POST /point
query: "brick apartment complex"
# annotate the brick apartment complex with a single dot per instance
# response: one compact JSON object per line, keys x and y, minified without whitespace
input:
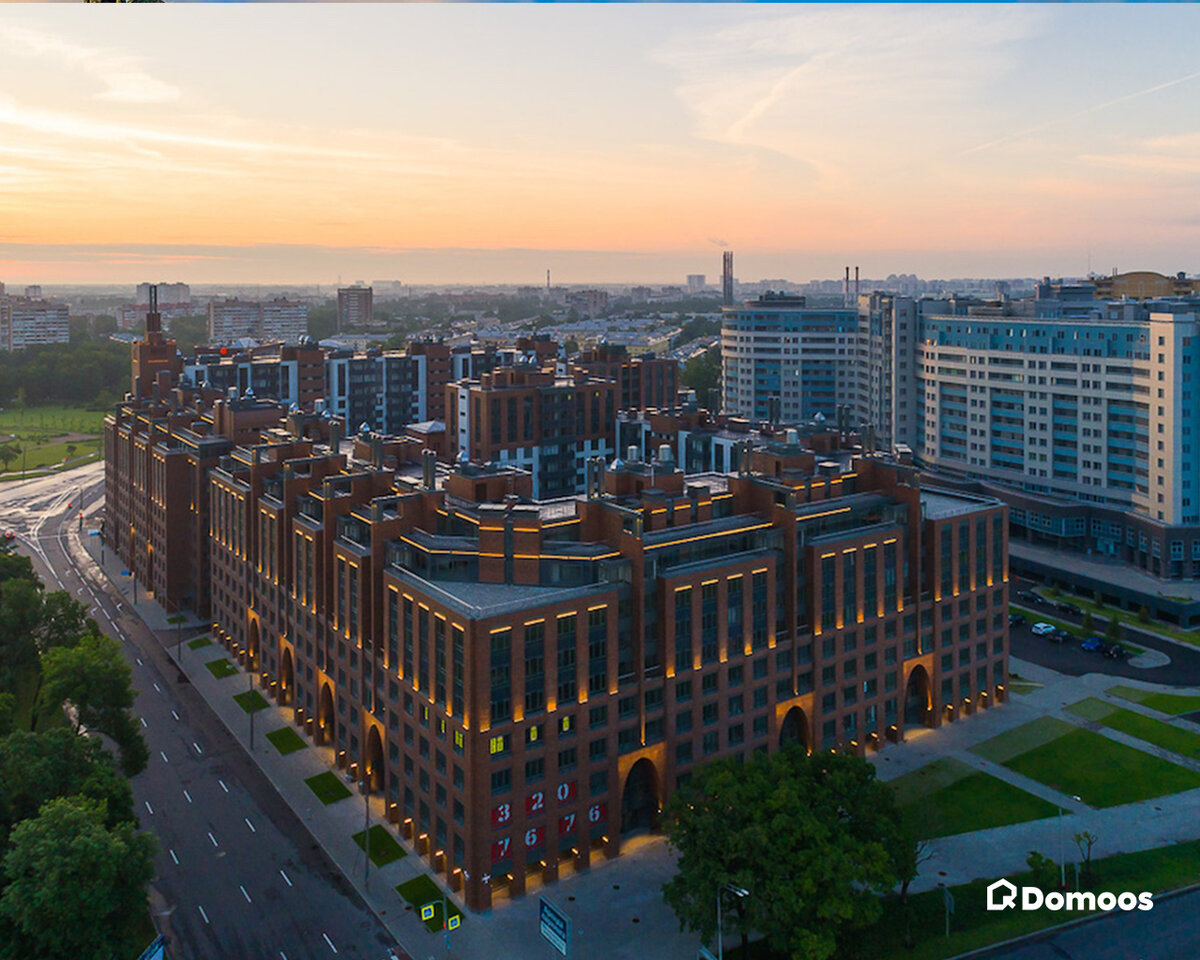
{"x":643,"y":381}
{"x":526,"y":681}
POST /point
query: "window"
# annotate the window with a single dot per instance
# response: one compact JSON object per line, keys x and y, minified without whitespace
{"x":535,"y":770}
{"x":598,"y":782}
{"x":597,"y":717}
{"x":683,"y":691}
{"x":497,"y":745}
{"x":501,"y":781}
{"x":598,"y":749}
{"x":567,"y":759}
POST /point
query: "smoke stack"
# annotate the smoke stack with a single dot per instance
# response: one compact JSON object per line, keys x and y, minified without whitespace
{"x":428,"y":469}
{"x":856,"y":285}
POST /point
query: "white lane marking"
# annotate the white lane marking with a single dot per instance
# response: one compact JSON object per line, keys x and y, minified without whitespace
{"x":330,"y":942}
{"x":143,"y":719}
{"x":202,"y":913}
{"x":164,"y":756}
{"x":197,"y":746}
{"x":119,"y":607}
{"x":139,"y":661}
{"x":148,"y":807}
{"x":174,"y":714}
{"x":173,"y":857}
{"x":249,"y":824}
{"x":158,"y":688}
{"x":223,"y":787}
{"x":245,"y":894}
{"x":285,"y":878}
{"x":187,"y":796}
{"x":213,"y":839}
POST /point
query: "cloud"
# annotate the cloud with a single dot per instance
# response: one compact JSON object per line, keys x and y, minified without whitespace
{"x":122,"y":76}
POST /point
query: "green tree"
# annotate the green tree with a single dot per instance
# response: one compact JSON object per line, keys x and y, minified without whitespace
{"x":1114,"y":630}
{"x":37,"y":767}
{"x":814,"y":839}
{"x":75,"y":886}
{"x":94,"y":678}
{"x":8,"y":707}
{"x":8,"y":453}
{"x":1089,"y":623}
{"x":1143,"y":614}
{"x":1085,"y":841}
{"x":702,"y":374}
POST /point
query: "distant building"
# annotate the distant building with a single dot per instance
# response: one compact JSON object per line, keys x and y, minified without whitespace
{"x":727,"y":278}
{"x":168,"y":294}
{"x":278,"y":319}
{"x":174,"y":302}
{"x":33,"y":292}
{"x":356,"y":307}
{"x":26,"y":322}
{"x":589,"y":303}
{"x":1145,"y":285}
{"x":696,"y":282}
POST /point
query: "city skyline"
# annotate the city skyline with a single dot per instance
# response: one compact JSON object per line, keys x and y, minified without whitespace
{"x":488,"y":144}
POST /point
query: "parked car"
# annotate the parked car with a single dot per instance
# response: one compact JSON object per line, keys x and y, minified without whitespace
{"x":1114,"y":651}
{"x":1015,"y":619}
{"x":1028,"y":596}
{"x":1058,"y":636}
{"x":1043,"y":629}
{"x":1066,"y":608}
{"x":1093,"y":644}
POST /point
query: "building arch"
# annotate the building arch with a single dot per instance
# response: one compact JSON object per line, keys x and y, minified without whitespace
{"x":287,"y":678}
{"x":640,"y":798}
{"x":918,"y":698}
{"x":794,"y":729}
{"x":374,"y":760}
{"x":326,"y":718}
{"x":253,"y":645}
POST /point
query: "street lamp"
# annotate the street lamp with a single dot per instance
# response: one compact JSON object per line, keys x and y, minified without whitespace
{"x":1062,"y":848}
{"x":739,"y":892}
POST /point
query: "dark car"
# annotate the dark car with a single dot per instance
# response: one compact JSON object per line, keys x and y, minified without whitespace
{"x":1028,"y":596}
{"x":1015,"y":620}
{"x":1093,"y":644}
{"x":1114,"y":651}
{"x":1066,"y":608}
{"x":1058,"y":636}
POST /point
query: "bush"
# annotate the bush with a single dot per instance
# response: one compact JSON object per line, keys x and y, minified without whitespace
{"x":1089,"y":623}
{"x":1143,"y":614}
{"x":1113,"y":631}
{"x":1045,"y":871}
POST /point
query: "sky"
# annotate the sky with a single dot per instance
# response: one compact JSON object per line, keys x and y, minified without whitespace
{"x":608,"y":143}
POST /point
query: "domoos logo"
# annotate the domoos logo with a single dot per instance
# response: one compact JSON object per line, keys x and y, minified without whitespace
{"x":1005,"y":895}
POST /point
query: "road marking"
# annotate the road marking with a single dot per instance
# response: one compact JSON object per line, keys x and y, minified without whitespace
{"x":158,"y":688}
{"x":223,"y":787}
{"x":119,"y":607}
{"x":249,"y":824}
{"x":202,"y":913}
{"x":174,"y":714}
{"x":139,"y":661}
{"x":282,"y":955}
{"x":213,"y":839}
{"x":173,"y":857}
{"x":245,"y":894}
{"x":197,"y":746}
{"x":330,"y":942}
{"x":187,"y":796}
{"x":143,"y":719}
{"x":285,"y":878}
{"x":164,"y":756}
{"x":148,"y":807}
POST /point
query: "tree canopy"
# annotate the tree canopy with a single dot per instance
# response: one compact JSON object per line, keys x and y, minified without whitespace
{"x":814,"y":839}
{"x":73,"y":884}
{"x":702,"y":373}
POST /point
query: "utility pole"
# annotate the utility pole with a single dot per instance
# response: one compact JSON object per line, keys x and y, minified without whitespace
{"x":250,"y":700}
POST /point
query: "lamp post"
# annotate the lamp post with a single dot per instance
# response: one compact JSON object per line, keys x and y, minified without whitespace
{"x":740,"y":893}
{"x":1062,"y":848}
{"x":250,"y":702}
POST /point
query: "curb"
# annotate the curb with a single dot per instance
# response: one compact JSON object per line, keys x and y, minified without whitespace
{"x":1047,"y":933}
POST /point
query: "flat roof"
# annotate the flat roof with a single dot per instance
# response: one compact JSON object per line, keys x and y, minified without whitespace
{"x":938,"y":504}
{"x":481,"y":601}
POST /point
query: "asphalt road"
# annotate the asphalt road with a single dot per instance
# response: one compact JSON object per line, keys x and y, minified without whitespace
{"x":1168,"y":932}
{"x":237,"y":874}
{"x":1068,"y":658}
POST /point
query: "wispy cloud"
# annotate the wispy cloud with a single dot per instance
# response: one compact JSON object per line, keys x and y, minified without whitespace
{"x":122,"y":77}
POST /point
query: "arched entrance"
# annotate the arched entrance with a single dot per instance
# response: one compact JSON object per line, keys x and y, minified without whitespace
{"x":252,"y":646}
{"x":918,"y":705}
{"x":374,"y":760}
{"x":794,"y":729}
{"x":287,"y":679}
{"x":639,"y":799}
{"x":325,"y":717}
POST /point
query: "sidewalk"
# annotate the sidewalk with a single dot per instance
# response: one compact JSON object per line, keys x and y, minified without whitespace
{"x":615,"y":906}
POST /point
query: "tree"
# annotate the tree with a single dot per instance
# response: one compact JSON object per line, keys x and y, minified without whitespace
{"x":1114,"y":630}
{"x":8,"y":453}
{"x":8,"y":707}
{"x":37,"y":767}
{"x":1085,"y":840}
{"x":75,"y":886}
{"x":814,"y":839}
{"x":702,"y":373}
{"x":1089,"y":623}
{"x":1045,"y":871}
{"x":96,"y":681}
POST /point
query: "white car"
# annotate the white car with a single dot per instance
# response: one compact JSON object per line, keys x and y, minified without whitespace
{"x":1042,"y":629}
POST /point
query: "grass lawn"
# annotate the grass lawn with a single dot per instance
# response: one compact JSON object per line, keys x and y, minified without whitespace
{"x":221,"y":668}
{"x":1023,"y":686}
{"x":251,"y":701}
{"x":39,"y":423}
{"x":286,"y":740}
{"x":384,"y":848}
{"x":199,"y":642}
{"x":1169,"y":703}
{"x":1101,"y":771}
{"x":1161,"y":734}
{"x":948,"y":797}
{"x":328,"y":788}
{"x":421,"y":890}
{"x":1025,"y":737}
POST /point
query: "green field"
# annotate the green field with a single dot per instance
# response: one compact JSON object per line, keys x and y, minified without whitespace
{"x":39,"y":432}
{"x":421,"y":890}
{"x":286,"y":740}
{"x":948,"y":797}
{"x":221,"y":668}
{"x":1007,"y":745}
{"x":1169,"y":703}
{"x":1161,"y":734}
{"x":384,"y":848}
{"x":251,"y":701}
{"x":328,"y":788}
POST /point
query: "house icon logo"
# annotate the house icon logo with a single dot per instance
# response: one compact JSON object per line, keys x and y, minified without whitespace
{"x":1001,"y":895}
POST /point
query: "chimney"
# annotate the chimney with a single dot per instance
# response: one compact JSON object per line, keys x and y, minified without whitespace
{"x":428,"y":469}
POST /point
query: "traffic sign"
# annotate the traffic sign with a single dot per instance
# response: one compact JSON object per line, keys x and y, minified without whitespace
{"x":427,"y":911}
{"x":555,"y":926}
{"x":454,"y":922}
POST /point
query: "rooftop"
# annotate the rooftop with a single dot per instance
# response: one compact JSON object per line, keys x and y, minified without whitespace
{"x":939,"y":504}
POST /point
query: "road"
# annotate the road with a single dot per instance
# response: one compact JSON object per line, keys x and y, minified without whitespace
{"x":237,"y":874}
{"x":1168,"y":932}
{"x":1068,"y":658}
